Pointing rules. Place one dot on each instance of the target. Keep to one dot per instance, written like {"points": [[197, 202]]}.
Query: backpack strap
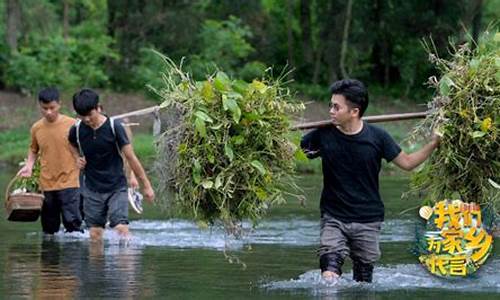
{"points": [[77, 127], [112, 123]]}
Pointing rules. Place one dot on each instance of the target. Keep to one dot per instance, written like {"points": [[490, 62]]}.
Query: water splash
{"points": [[186, 234], [397, 277]]}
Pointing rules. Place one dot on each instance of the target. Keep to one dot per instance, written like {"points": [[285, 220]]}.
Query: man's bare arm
{"points": [[138, 170], [410, 161], [27, 169]]}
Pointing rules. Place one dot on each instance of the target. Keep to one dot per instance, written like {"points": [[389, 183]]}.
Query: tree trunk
{"points": [[326, 54], [111, 19], [317, 64], [345, 39], [476, 20], [13, 26], [381, 57], [65, 19], [305, 22], [289, 32]]}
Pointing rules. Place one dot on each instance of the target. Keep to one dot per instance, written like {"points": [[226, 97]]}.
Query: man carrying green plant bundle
{"points": [[58, 168], [102, 141], [352, 210]]}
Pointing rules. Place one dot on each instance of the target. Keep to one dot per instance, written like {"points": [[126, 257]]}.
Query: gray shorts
{"points": [[360, 241], [98, 207]]}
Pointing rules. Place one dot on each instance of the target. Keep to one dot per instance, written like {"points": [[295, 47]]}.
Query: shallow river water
{"points": [[174, 259]]}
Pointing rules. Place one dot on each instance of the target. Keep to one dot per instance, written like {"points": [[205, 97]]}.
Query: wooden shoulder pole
{"points": [[303, 126], [369, 119], [140, 112]]}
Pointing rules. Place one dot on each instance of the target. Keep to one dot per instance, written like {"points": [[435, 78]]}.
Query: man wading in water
{"points": [[102, 144], [58, 168], [352, 211]]}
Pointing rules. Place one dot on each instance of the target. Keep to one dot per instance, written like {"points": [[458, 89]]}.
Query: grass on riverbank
{"points": [[15, 142], [14, 147]]}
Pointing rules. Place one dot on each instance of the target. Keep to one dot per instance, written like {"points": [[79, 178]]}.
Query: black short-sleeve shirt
{"points": [[351, 166], [104, 169]]}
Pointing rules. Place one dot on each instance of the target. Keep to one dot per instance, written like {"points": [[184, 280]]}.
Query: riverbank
{"points": [[18, 113]]}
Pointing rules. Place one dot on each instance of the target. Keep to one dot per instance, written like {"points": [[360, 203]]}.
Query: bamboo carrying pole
{"points": [[140, 112], [369, 119], [303, 126]]}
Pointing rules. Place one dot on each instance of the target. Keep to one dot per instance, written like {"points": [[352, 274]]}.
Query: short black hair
{"points": [[85, 101], [48, 95], [354, 91]]}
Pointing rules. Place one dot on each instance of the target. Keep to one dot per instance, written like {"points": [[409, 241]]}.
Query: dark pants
{"points": [[360, 241], [62, 203]]}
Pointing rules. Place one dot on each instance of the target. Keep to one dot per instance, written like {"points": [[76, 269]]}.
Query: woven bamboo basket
{"points": [[22, 207]]}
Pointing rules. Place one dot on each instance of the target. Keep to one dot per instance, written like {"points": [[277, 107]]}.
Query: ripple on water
{"points": [[397, 277]]}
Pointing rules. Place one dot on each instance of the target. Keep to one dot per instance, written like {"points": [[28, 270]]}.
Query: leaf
{"points": [[218, 181], [445, 85], [237, 115], [478, 134], [474, 64], [225, 102], [207, 184], [207, 91], [252, 116], [241, 87], [494, 184], [200, 127], [300, 156], [221, 82], [229, 152], [238, 139], [219, 85], [259, 86], [203, 116], [197, 172], [216, 127], [234, 95], [231, 105], [258, 165], [222, 76]]}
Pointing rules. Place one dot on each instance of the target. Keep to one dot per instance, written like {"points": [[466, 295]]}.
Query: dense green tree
{"points": [[102, 42]]}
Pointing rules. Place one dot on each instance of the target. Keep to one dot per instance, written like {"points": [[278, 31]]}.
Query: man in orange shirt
{"points": [[58, 165]]}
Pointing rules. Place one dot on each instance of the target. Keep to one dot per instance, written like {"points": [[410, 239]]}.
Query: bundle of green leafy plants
{"points": [[465, 111], [225, 155], [28, 184]]}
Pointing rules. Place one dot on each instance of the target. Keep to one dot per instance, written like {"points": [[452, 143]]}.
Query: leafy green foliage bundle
{"points": [[29, 184], [225, 155], [466, 111]]}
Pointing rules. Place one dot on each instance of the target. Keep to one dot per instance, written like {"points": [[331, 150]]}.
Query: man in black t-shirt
{"points": [[102, 146], [351, 208]]}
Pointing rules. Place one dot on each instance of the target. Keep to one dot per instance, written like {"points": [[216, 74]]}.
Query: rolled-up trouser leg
{"points": [[333, 244], [331, 262], [362, 272]]}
